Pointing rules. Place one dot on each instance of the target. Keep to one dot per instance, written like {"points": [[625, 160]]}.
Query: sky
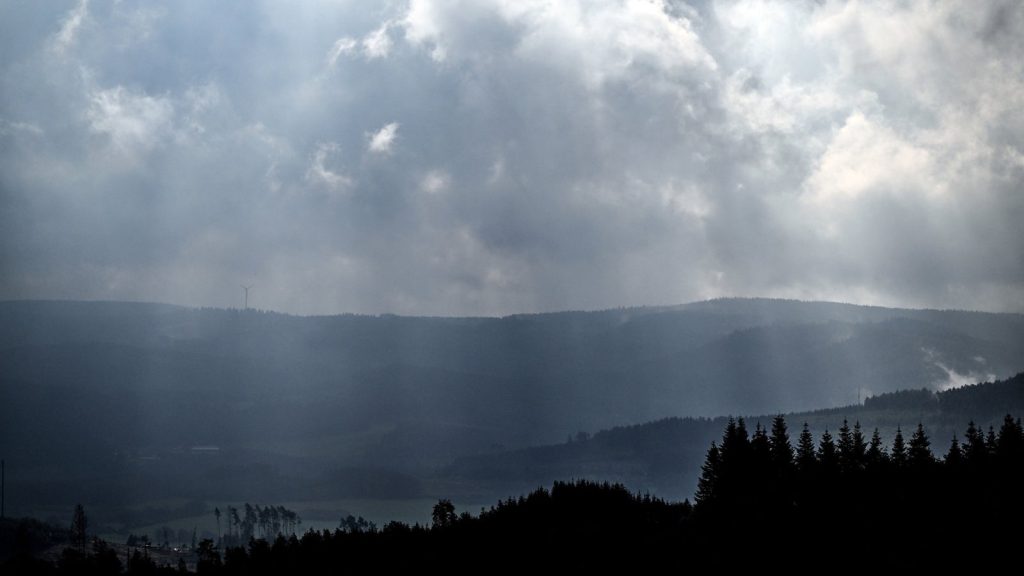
{"points": [[435, 157]]}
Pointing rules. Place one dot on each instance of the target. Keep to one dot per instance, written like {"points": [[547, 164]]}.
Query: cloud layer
{"points": [[471, 157]]}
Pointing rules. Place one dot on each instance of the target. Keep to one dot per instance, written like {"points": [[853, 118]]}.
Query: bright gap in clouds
{"points": [[382, 140]]}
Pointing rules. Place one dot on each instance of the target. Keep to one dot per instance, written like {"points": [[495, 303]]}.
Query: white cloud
{"points": [[422, 26], [686, 200], [9, 127], [374, 45], [343, 45], [435, 181], [199, 103], [377, 44], [65, 37], [383, 140], [132, 25], [955, 379], [867, 157], [133, 121], [319, 172], [593, 41]]}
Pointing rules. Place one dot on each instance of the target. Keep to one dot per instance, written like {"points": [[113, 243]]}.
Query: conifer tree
{"points": [[859, 446], [735, 445], [845, 446], [708, 477], [734, 461], [954, 457], [742, 438], [781, 450], [875, 456], [920, 454], [760, 448], [827, 457], [805, 455], [1010, 443], [898, 455], [975, 452], [728, 436], [991, 444], [79, 528]]}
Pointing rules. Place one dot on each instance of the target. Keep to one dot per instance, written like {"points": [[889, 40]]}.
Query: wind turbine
{"points": [[246, 288]]}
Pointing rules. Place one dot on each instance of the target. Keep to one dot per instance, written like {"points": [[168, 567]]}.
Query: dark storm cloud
{"points": [[496, 157]]}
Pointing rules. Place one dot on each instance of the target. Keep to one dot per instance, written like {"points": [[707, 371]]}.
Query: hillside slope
{"points": [[665, 456], [109, 400]]}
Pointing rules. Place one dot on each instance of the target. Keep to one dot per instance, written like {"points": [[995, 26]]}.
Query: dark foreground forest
{"points": [[761, 497]]}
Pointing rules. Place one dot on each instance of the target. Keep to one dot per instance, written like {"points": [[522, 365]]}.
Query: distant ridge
{"points": [[331, 405], [733, 302], [664, 456]]}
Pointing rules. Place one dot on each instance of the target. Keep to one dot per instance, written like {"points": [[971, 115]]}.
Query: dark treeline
{"points": [[761, 497], [852, 488], [665, 456], [979, 399], [575, 524], [253, 521]]}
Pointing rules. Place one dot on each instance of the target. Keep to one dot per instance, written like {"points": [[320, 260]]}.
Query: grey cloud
{"points": [[541, 155]]}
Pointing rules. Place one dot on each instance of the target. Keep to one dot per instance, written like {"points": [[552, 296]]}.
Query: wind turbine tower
{"points": [[246, 288]]}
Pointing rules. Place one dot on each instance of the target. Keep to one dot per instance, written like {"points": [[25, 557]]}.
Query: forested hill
{"points": [[762, 497], [664, 456], [356, 405]]}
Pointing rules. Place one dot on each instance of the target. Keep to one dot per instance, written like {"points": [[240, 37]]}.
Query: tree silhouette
{"points": [[234, 520], [954, 456], [1010, 443], [859, 456], [216, 514], [875, 457], [975, 452], [898, 455], [845, 447], [79, 528], [991, 443], [354, 525], [920, 455], [208, 560], [827, 457], [589, 525], [735, 443], [249, 522], [805, 454], [781, 450], [760, 449], [709, 472], [443, 515]]}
